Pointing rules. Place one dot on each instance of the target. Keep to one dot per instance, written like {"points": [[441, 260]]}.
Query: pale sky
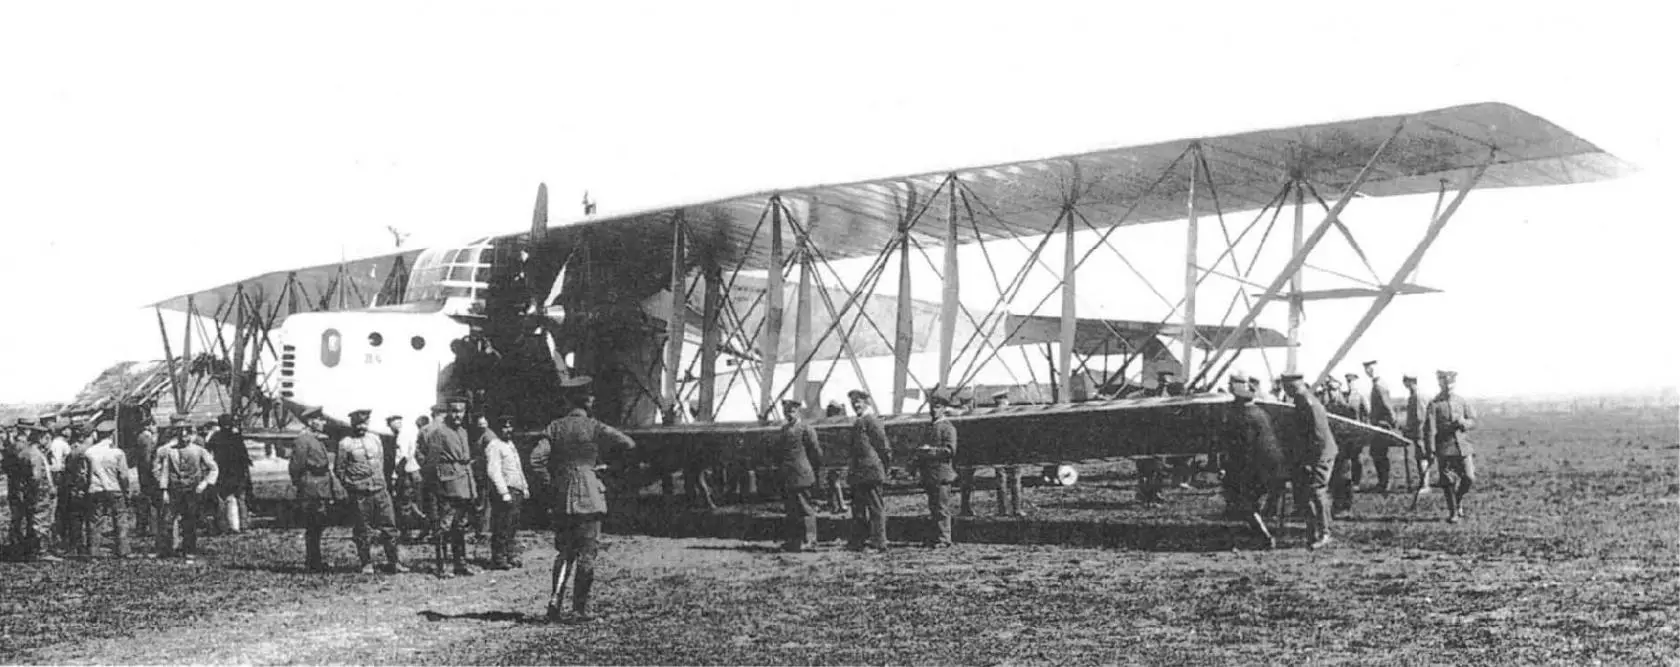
{"points": [[154, 149]]}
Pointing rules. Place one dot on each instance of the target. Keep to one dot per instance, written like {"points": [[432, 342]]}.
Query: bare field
{"points": [[1569, 557]]}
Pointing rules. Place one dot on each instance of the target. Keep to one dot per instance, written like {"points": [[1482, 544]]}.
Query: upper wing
{"points": [[1103, 188], [1097, 336], [357, 283]]}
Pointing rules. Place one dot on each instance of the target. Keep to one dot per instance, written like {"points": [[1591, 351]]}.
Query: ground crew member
{"points": [[1254, 460], [446, 466], [1311, 448], [567, 454], [317, 488], [869, 456], [178, 429], [934, 465], [1445, 420], [480, 437], [360, 466], [233, 476], [1414, 432], [57, 450], [140, 456], [507, 480], [108, 490], [1008, 476], [77, 511], [1349, 470], [1382, 416], [31, 493], [800, 454], [405, 477], [184, 470]]}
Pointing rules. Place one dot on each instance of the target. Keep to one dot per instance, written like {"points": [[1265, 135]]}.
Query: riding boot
{"points": [[312, 558], [393, 556], [580, 597]]}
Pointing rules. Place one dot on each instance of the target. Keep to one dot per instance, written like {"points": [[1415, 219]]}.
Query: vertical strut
{"points": [[1296, 302], [802, 343], [1190, 275], [1064, 380], [169, 356], [674, 325], [712, 310], [235, 400], [770, 334], [904, 334], [948, 306]]}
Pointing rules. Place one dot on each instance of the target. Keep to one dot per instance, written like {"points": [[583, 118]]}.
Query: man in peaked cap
{"points": [[1413, 429], [184, 470], [1255, 465], [108, 489], [800, 454], [565, 457], [934, 461], [1311, 448], [233, 477], [317, 488], [447, 469], [1381, 415], [360, 467], [869, 454], [30, 492], [1445, 421]]}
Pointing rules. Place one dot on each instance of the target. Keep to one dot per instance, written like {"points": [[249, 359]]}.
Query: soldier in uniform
{"points": [[1008, 476], [1382, 416], [1311, 448], [31, 492], [566, 455], [1350, 469], [507, 479], [1444, 422], [934, 465], [76, 511], [233, 477], [1414, 431], [57, 450], [184, 469], [360, 466], [447, 467], [108, 490], [317, 487], [870, 454], [1255, 463], [140, 456], [800, 455], [404, 469]]}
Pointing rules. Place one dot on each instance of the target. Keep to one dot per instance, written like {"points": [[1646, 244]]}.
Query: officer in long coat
{"points": [[869, 454], [800, 455], [1381, 415], [566, 456], [447, 469], [1445, 421], [934, 464], [1312, 453], [316, 486], [1255, 465]]}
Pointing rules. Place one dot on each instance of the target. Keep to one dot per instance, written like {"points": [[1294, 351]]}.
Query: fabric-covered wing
{"points": [[347, 285], [1095, 336]]}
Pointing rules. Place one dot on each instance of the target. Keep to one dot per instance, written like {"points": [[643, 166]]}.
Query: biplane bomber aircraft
{"points": [[690, 304]]}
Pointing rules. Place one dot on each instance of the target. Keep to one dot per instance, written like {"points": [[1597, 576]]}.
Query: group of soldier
{"points": [[1262, 459], [66, 481]]}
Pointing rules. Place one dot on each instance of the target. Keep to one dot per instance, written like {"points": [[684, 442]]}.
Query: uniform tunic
{"points": [[1446, 418], [1382, 405], [361, 468], [311, 470], [800, 453], [935, 464], [567, 453], [447, 461], [870, 452], [1255, 460]]}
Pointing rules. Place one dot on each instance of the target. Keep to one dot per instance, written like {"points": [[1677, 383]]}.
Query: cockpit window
{"points": [[332, 346], [375, 339], [418, 342]]}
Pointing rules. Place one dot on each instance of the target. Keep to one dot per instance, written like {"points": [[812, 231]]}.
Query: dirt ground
{"points": [[1569, 557]]}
